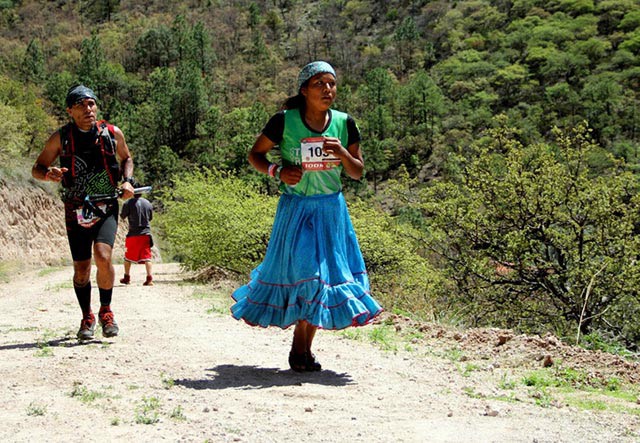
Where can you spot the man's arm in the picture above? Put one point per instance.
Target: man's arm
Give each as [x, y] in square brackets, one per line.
[42, 169]
[124, 212]
[126, 162]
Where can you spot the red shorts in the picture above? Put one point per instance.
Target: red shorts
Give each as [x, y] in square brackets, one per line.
[137, 248]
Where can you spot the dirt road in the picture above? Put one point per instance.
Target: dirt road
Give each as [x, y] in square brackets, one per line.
[183, 370]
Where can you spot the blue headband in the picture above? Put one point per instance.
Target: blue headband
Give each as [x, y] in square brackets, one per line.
[314, 68]
[77, 93]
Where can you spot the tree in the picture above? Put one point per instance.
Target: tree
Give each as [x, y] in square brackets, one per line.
[188, 104]
[422, 105]
[601, 98]
[377, 95]
[91, 60]
[99, 11]
[541, 234]
[203, 55]
[13, 133]
[33, 65]
[406, 39]
[26, 125]
[155, 48]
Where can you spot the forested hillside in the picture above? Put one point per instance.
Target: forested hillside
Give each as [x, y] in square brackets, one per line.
[501, 137]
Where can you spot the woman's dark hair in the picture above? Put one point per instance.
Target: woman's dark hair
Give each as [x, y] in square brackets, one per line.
[295, 101]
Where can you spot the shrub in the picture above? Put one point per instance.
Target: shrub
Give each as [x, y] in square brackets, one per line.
[211, 218]
[401, 278]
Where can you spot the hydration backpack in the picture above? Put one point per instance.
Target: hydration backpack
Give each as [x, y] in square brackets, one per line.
[106, 139]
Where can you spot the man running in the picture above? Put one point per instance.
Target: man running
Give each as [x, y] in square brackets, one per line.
[139, 213]
[93, 158]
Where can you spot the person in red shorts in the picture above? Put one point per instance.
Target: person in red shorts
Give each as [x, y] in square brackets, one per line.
[139, 212]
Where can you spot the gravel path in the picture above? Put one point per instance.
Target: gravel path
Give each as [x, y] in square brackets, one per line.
[183, 370]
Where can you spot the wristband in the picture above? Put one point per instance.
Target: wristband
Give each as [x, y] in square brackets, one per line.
[44, 169]
[277, 173]
[272, 170]
[129, 180]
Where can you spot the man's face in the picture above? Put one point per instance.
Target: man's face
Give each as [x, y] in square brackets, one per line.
[84, 113]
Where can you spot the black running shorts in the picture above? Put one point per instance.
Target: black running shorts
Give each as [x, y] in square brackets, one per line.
[81, 239]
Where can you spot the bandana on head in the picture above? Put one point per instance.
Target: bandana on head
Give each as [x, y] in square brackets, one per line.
[314, 68]
[78, 93]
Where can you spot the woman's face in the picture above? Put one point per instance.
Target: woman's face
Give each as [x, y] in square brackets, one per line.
[320, 91]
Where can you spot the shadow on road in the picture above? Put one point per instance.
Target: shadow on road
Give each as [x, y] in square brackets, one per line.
[254, 377]
[65, 342]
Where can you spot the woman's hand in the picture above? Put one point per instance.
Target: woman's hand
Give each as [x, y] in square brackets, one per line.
[333, 147]
[291, 175]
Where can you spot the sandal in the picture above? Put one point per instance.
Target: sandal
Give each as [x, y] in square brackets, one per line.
[311, 363]
[298, 362]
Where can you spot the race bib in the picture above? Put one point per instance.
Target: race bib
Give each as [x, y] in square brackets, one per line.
[313, 157]
[91, 219]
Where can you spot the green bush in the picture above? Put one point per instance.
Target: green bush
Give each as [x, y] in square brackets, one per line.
[401, 279]
[211, 218]
[540, 237]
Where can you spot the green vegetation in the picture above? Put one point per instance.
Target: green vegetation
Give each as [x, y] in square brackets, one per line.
[501, 139]
[178, 414]
[43, 344]
[555, 386]
[214, 218]
[36, 409]
[147, 411]
[85, 395]
[582, 390]
[49, 270]
[59, 286]
[167, 381]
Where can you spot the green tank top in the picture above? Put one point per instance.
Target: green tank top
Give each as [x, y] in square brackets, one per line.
[298, 147]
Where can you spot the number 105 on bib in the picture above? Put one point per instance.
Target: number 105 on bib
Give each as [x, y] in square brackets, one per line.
[313, 156]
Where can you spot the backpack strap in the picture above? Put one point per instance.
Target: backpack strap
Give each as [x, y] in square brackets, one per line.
[108, 146]
[67, 158]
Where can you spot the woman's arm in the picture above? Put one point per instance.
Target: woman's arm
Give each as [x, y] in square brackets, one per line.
[291, 175]
[351, 157]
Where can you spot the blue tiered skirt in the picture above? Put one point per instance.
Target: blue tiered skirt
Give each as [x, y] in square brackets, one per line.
[313, 270]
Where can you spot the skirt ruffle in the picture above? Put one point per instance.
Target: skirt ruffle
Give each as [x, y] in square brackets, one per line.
[313, 270]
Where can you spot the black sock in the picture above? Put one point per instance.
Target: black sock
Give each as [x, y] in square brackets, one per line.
[83, 293]
[105, 296]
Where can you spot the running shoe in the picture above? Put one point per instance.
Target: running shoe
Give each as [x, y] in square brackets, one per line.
[87, 327]
[108, 323]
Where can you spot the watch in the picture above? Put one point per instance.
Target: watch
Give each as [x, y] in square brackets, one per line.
[129, 180]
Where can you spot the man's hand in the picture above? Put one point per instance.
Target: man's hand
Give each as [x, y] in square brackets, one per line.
[54, 174]
[127, 191]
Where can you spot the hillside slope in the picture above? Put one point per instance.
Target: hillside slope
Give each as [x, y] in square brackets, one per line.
[31, 225]
[32, 230]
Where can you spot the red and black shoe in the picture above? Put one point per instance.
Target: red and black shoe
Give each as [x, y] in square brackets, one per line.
[87, 327]
[108, 323]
